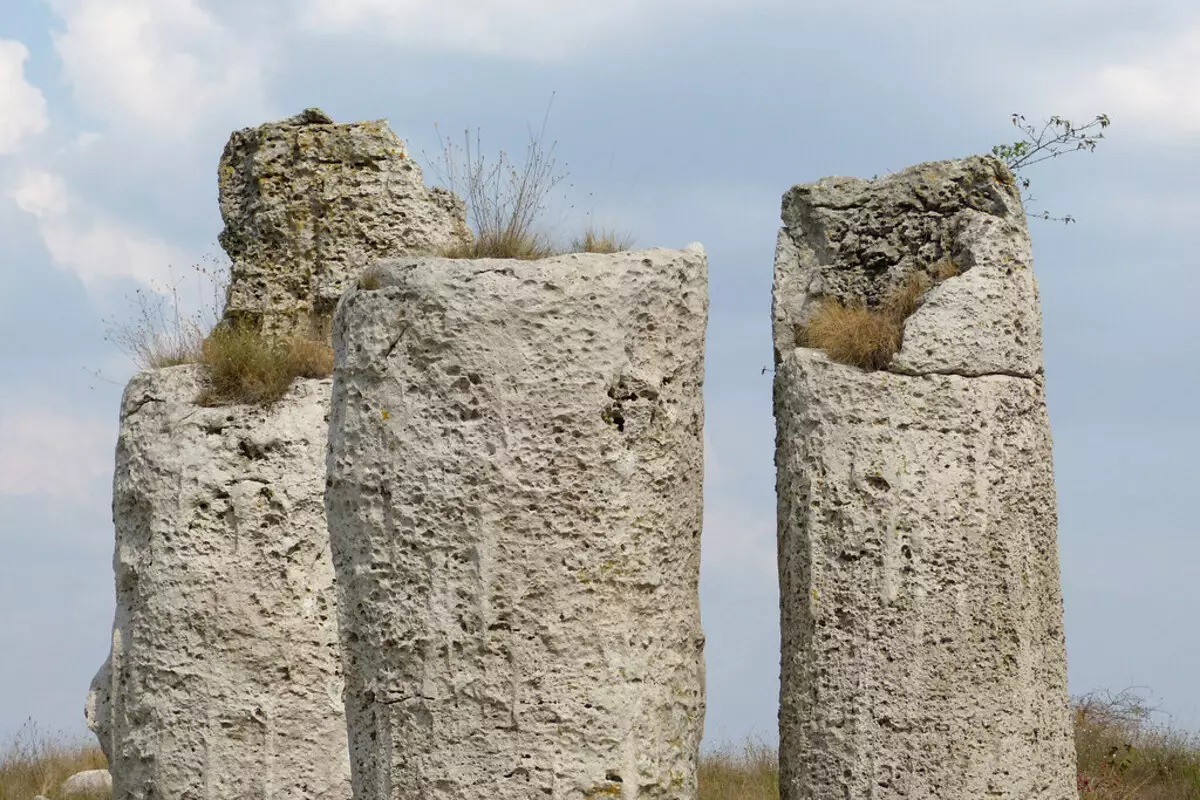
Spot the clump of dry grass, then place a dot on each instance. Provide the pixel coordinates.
(247, 367)
(34, 763)
(944, 270)
(868, 338)
(1124, 754)
(504, 200)
(604, 240)
(852, 334)
(750, 772)
(524, 245)
(159, 332)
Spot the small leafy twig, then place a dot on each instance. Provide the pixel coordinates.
(1053, 140)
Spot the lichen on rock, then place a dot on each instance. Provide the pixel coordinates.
(307, 203)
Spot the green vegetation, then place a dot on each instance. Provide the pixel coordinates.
(1125, 755)
(1053, 140)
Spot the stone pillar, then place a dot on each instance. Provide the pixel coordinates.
(922, 630)
(307, 203)
(515, 504)
(224, 679)
(225, 675)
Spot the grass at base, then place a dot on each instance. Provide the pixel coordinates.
(35, 762)
(1123, 755)
(749, 771)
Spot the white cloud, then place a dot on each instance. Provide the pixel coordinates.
(42, 194)
(533, 29)
(44, 452)
(164, 64)
(1152, 91)
(24, 108)
(92, 246)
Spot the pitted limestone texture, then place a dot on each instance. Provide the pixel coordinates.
(515, 506)
(307, 203)
(224, 678)
(855, 241)
(923, 652)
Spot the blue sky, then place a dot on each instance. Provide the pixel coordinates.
(678, 121)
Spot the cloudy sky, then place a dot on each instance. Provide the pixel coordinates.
(678, 121)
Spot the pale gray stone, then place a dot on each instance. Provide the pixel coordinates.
(307, 203)
(92, 784)
(224, 678)
(857, 240)
(986, 321)
(515, 505)
(923, 651)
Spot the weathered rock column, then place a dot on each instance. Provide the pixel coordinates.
(225, 674)
(515, 504)
(923, 652)
(224, 679)
(308, 202)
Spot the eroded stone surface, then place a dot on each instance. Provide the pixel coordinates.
(307, 203)
(923, 648)
(92, 784)
(856, 240)
(225, 676)
(515, 479)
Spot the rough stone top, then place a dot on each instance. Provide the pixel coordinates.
(857, 240)
(310, 116)
(307, 203)
(397, 271)
(982, 183)
(323, 140)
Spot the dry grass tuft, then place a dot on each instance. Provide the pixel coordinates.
(748, 773)
(34, 763)
(504, 199)
(246, 367)
(851, 333)
(903, 301)
(604, 240)
(944, 270)
(159, 332)
(508, 243)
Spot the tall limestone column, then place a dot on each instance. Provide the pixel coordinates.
(515, 503)
(922, 623)
(225, 675)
